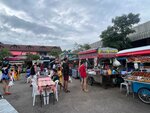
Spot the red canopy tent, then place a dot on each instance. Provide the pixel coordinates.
(91, 53)
(98, 53)
(140, 51)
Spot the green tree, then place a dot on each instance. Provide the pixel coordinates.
(85, 46)
(80, 47)
(117, 35)
(54, 52)
(4, 53)
(32, 57)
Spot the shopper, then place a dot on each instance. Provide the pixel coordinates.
(38, 69)
(28, 71)
(82, 71)
(35, 67)
(66, 74)
(32, 74)
(42, 69)
(55, 75)
(5, 79)
(60, 77)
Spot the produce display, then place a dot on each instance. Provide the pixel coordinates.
(141, 59)
(143, 74)
(140, 76)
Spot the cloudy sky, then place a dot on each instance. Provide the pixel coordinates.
(62, 22)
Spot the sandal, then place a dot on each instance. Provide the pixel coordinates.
(86, 91)
(7, 93)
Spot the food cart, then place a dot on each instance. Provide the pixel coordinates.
(98, 62)
(140, 77)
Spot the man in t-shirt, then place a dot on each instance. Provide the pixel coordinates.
(66, 74)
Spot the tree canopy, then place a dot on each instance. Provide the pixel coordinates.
(54, 52)
(116, 36)
(80, 47)
(32, 57)
(4, 53)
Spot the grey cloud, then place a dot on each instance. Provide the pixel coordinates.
(63, 22)
(16, 22)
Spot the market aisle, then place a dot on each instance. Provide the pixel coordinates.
(98, 100)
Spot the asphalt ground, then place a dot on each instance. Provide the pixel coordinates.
(97, 100)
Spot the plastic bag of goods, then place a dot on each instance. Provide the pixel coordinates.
(116, 63)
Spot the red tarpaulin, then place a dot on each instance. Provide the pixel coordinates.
(18, 53)
(145, 50)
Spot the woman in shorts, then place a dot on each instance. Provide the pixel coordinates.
(5, 79)
(82, 71)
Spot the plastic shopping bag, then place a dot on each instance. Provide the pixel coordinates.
(10, 83)
(116, 62)
(70, 79)
(1, 76)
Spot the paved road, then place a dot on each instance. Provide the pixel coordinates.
(98, 100)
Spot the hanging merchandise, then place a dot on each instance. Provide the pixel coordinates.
(0, 75)
(116, 63)
(135, 65)
(110, 61)
(95, 62)
(109, 72)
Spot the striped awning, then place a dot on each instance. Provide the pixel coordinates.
(145, 50)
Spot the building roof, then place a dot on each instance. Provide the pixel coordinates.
(142, 32)
(96, 44)
(28, 48)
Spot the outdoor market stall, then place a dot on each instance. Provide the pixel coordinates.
(140, 77)
(99, 64)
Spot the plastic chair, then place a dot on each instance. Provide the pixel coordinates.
(50, 92)
(28, 79)
(127, 87)
(56, 93)
(53, 93)
(36, 92)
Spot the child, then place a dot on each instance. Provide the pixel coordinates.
(55, 75)
(28, 74)
(15, 75)
(11, 79)
(60, 77)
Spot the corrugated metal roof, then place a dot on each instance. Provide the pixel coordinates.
(142, 32)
